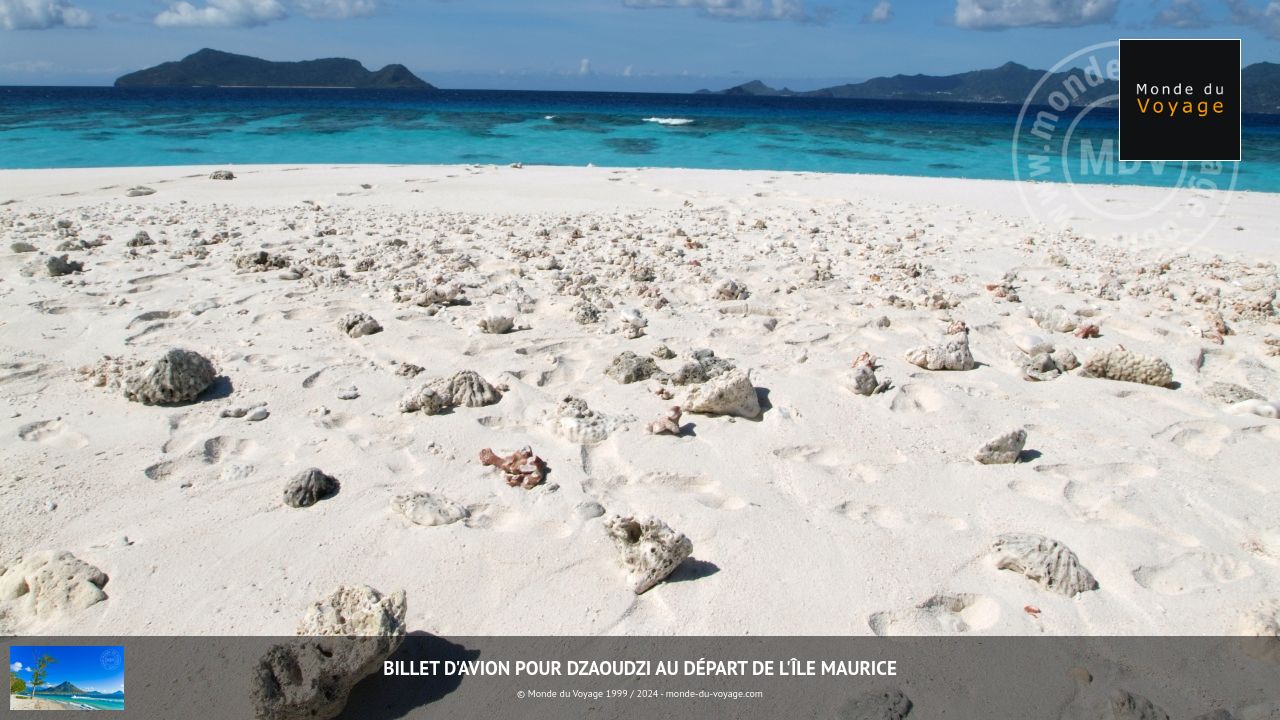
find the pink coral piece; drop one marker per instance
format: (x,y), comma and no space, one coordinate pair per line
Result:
(957,327)
(866,358)
(1085,332)
(668,425)
(522,467)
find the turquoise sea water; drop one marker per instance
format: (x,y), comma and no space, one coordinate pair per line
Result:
(88,703)
(94,127)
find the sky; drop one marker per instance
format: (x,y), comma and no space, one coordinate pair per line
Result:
(624,45)
(86,667)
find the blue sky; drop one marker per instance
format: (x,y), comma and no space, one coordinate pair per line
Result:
(635,45)
(82,666)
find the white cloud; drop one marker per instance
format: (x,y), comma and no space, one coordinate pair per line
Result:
(27,66)
(1267,20)
(222,14)
(881,13)
(337,9)
(15,667)
(1182,14)
(584,67)
(738,9)
(41,15)
(997,14)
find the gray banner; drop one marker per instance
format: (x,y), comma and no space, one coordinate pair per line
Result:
(210,678)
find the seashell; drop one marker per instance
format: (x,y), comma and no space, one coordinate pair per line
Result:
(1048,562)
(650,549)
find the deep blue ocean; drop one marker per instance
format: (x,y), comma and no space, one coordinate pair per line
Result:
(94,127)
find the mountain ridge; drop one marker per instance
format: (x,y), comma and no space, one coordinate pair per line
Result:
(215,68)
(1008,84)
(62,688)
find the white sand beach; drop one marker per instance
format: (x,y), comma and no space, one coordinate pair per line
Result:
(832,512)
(17,702)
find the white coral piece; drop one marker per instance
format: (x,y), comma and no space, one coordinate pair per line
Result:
(1048,562)
(343,639)
(633,323)
(730,393)
(1128,366)
(1261,630)
(465,388)
(650,549)
(951,354)
(424,400)
(429,509)
(1055,319)
(577,423)
(177,376)
(1261,408)
(358,324)
(728,290)
(1003,450)
(498,320)
(50,584)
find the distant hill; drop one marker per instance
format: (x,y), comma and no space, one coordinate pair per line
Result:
(755,88)
(96,694)
(1008,84)
(1261,88)
(213,68)
(62,688)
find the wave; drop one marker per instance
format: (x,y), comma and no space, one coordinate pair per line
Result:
(669,121)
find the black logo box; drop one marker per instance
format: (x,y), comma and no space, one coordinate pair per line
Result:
(1189,63)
